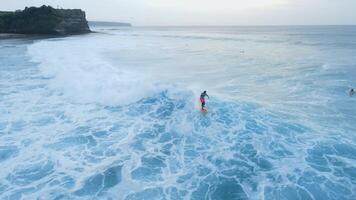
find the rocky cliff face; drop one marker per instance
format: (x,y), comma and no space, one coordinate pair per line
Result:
(44,20)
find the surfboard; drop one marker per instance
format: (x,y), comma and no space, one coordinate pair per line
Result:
(204,110)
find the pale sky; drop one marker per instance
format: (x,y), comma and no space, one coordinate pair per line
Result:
(207,12)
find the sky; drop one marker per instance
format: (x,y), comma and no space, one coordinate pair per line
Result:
(207,12)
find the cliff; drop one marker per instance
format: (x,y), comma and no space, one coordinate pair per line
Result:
(44,20)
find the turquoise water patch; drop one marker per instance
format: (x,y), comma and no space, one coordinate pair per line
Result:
(101,182)
(7,152)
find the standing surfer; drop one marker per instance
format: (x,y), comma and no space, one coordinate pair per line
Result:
(352,92)
(202,100)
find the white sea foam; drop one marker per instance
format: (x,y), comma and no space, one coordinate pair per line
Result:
(78,70)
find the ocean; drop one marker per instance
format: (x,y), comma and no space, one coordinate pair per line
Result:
(115,114)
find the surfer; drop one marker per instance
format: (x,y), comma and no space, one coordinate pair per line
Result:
(202,100)
(352,92)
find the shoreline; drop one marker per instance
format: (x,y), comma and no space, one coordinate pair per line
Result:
(12,35)
(4,36)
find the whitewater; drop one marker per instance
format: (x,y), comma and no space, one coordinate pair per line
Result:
(115,114)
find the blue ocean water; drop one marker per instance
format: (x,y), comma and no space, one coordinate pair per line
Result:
(115,114)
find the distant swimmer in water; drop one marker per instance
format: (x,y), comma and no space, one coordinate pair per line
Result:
(352,92)
(202,100)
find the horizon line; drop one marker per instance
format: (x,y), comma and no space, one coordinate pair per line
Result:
(261,25)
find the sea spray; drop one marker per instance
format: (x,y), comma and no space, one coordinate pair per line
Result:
(78,71)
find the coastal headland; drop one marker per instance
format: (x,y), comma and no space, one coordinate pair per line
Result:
(43,20)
